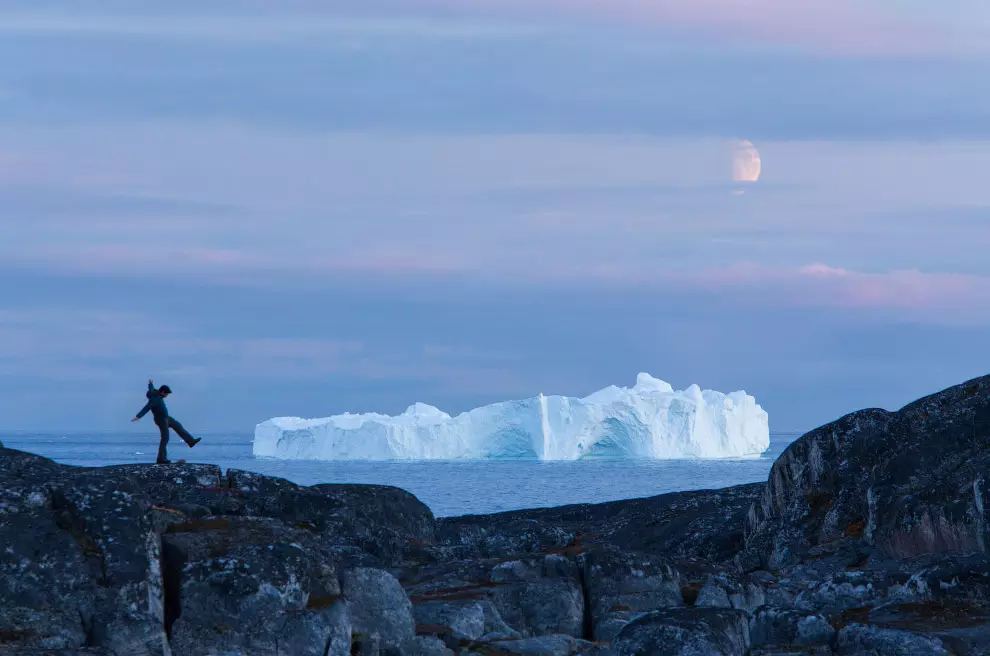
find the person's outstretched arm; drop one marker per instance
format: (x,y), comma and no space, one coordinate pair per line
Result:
(151,386)
(144,411)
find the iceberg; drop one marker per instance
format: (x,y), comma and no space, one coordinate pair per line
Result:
(650,420)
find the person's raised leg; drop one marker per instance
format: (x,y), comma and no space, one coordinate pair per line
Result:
(163,444)
(183,433)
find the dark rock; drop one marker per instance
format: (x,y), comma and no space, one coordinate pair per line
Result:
(620,586)
(548,645)
(540,597)
(685,632)
(466,619)
(706,523)
(779,627)
(430,646)
(376,524)
(908,483)
(524,597)
(32,651)
(78,559)
(732,590)
(383,521)
(860,640)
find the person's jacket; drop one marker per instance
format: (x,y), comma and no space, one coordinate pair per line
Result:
(156,405)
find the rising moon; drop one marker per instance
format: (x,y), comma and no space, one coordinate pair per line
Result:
(746,164)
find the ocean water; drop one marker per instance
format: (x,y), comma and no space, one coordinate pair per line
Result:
(448,488)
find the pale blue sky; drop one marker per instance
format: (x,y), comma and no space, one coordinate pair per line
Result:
(317,209)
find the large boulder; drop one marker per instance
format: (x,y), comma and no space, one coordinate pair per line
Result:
(906,483)
(860,640)
(379,609)
(79,560)
(621,585)
(251,585)
(782,627)
(529,596)
(685,632)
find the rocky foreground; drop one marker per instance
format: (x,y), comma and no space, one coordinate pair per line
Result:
(870,537)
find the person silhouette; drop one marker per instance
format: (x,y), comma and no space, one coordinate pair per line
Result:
(159,412)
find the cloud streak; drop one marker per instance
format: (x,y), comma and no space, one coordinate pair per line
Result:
(821,285)
(918,293)
(840,27)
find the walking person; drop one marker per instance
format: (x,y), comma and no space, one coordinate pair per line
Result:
(159,412)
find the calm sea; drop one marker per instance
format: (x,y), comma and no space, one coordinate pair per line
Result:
(449,488)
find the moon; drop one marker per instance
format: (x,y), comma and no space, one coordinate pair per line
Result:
(746,164)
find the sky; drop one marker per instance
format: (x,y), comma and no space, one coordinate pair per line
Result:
(305,208)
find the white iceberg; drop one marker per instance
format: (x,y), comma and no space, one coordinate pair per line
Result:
(650,420)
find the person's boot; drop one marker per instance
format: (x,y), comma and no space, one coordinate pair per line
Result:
(163,462)
(194,441)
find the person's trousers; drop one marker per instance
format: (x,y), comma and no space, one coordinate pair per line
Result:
(163,426)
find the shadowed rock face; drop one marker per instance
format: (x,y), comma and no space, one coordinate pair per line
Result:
(906,483)
(706,523)
(869,538)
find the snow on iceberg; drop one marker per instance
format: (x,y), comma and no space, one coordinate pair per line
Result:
(650,420)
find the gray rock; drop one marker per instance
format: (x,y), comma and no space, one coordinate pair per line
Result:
(712,595)
(775,627)
(621,586)
(529,596)
(430,646)
(685,632)
(549,645)
(251,585)
(539,597)
(466,620)
(379,608)
(862,640)
(32,651)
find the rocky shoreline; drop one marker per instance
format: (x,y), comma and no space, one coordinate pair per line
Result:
(870,537)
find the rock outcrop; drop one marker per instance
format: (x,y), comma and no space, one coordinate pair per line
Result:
(869,538)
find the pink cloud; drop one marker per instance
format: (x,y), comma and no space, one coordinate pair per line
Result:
(826,286)
(839,26)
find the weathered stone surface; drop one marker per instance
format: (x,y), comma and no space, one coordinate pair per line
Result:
(779,627)
(251,585)
(529,596)
(379,608)
(860,640)
(430,646)
(373,523)
(909,483)
(32,651)
(706,523)
(621,585)
(549,645)
(685,632)
(78,559)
